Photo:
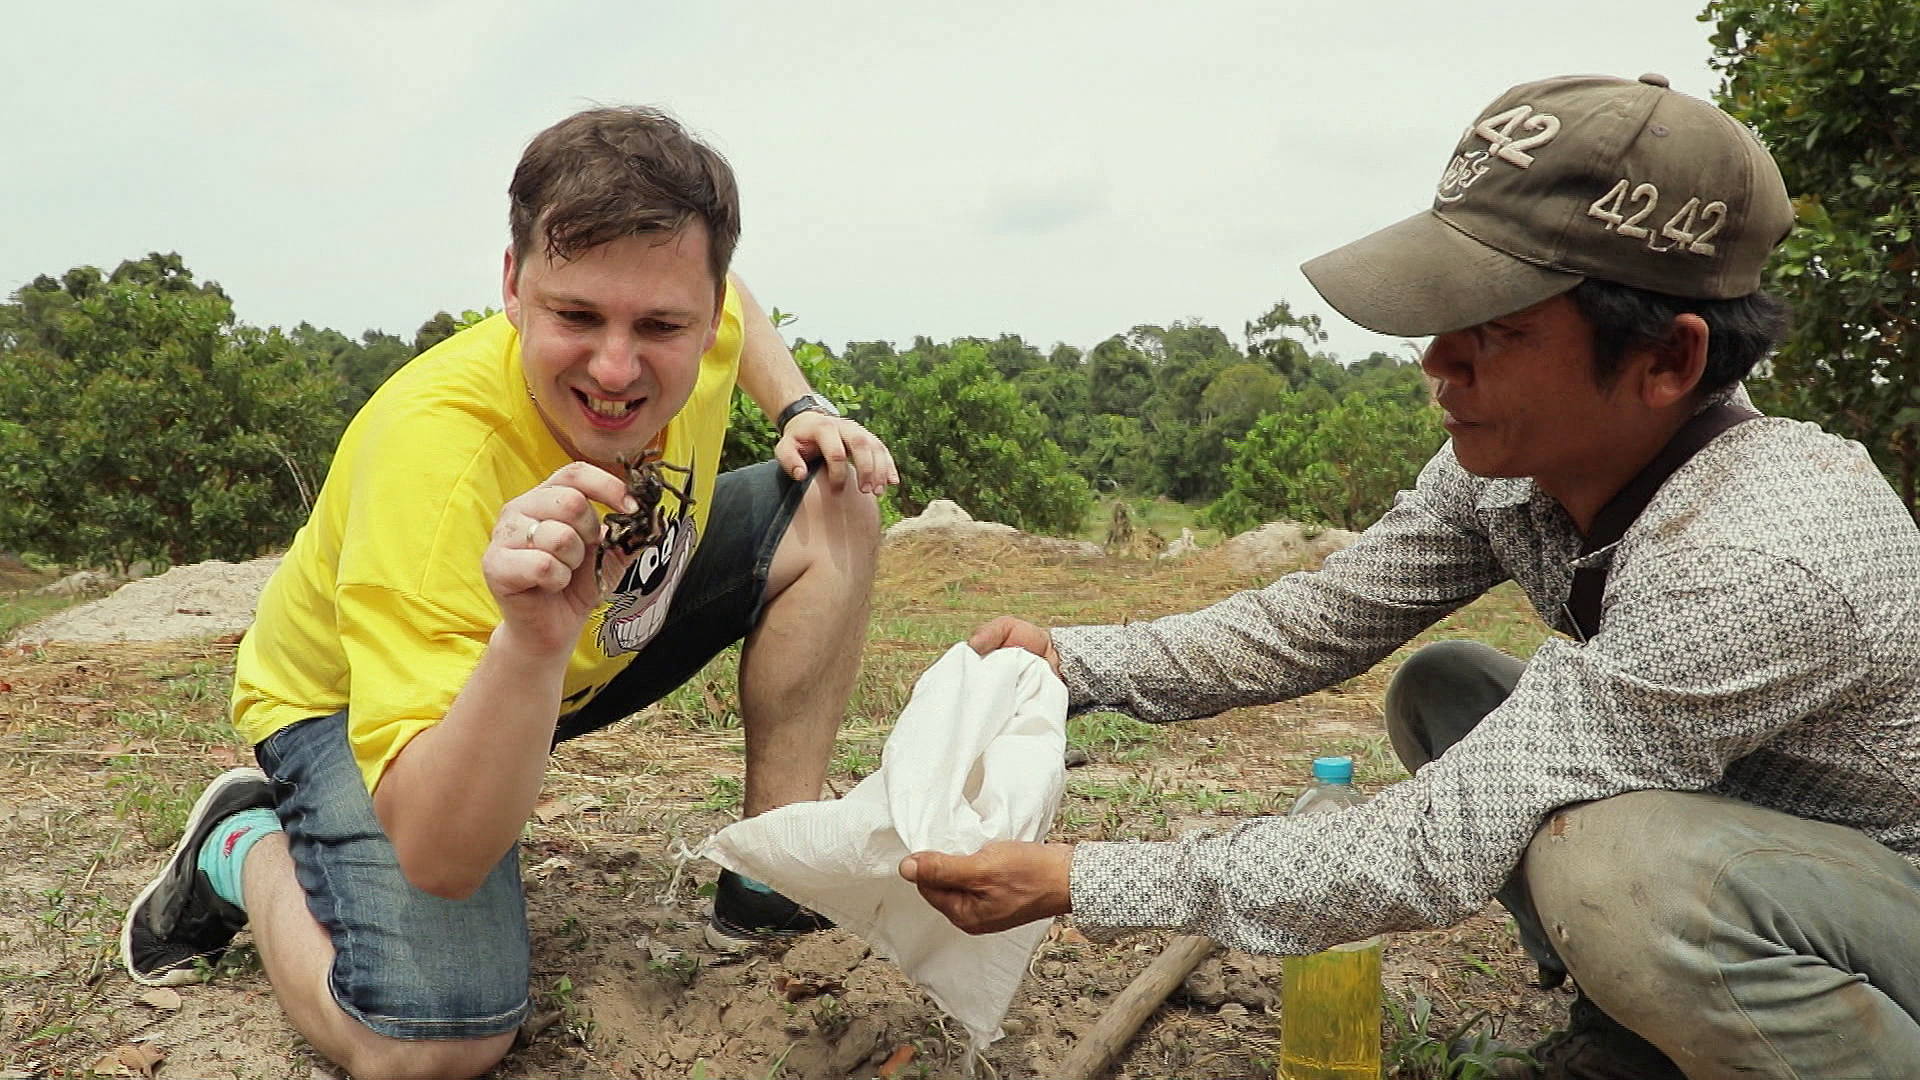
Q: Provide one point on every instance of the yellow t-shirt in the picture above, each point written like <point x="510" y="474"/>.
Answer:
<point x="380" y="608"/>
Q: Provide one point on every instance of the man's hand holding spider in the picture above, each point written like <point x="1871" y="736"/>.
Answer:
<point x="540" y="562"/>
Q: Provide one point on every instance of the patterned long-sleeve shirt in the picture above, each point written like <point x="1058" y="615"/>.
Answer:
<point x="1760" y="639"/>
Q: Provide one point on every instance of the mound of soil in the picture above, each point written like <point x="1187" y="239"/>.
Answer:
<point x="203" y="600"/>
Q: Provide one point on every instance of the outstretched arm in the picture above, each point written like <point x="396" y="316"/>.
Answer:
<point x="1005" y="884"/>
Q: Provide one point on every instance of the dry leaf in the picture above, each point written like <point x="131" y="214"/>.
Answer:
<point x="802" y="989"/>
<point x="142" y="1059"/>
<point x="5" y="687"/>
<point x="548" y="866"/>
<point x="113" y="749"/>
<point x="69" y="699"/>
<point x="714" y="708"/>
<point x="129" y="1060"/>
<point x="551" y="809"/>
<point x="161" y="998"/>
<point x="224" y="755"/>
<point x="1065" y="934"/>
<point x="896" y="1060"/>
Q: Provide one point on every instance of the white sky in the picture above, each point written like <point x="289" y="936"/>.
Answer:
<point x="1060" y="170"/>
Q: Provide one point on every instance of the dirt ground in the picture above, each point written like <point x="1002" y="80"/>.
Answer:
<point x="105" y="746"/>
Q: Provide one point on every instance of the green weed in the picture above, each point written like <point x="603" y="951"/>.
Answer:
<point x="1467" y="1052"/>
<point x="857" y="759"/>
<point x="155" y="806"/>
<point x="724" y="793"/>
<point x="1112" y="735"/>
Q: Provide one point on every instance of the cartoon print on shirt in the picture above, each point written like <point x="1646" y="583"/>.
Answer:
<point x="638" y="607"/>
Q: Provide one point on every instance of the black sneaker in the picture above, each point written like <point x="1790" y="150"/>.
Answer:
<point x="1594" y="1046"/>
<point x="746" y="912"/>
<point x="178" y="918"/>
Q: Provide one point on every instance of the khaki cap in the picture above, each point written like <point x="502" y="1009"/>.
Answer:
<point x="1565" y="179"/>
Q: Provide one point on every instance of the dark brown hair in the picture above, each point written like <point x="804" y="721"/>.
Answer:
<point x="609" y="173"/>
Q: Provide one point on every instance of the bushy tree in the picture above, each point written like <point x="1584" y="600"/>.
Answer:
<point x="958" y="431"/>
<point x="435" y="330"/>
<point x="1338" y="466"/>
<point x="1833" y="88"/>
<point x="139" y="421"/>
<point x="361" y="366"/>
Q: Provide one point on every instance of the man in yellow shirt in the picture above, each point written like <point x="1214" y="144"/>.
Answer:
<point x="452" y="608"/>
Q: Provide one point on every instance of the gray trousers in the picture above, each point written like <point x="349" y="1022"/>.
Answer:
<point x="1742" y="942"/>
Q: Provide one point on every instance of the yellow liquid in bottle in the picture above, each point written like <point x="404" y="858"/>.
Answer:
<point x="1330" y="1014"/>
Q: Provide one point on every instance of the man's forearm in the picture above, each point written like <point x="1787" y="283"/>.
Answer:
<point x="457" y="797"/>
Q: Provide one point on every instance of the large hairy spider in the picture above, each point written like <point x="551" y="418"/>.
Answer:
<point x="647" y="524"/>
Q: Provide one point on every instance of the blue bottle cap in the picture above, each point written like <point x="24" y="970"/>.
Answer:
<point x="1333" y="770"/>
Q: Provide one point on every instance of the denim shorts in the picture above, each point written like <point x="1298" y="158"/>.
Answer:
<point x="411" y="965"/>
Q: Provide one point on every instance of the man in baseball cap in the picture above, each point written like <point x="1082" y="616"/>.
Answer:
<point x="1697" y="802"/>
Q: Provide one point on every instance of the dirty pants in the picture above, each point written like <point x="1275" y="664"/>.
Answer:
<point x="1740" y="941"/>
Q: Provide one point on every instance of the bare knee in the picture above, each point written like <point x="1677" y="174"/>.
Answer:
<point x="379" y="1058"/>
<point x="835" y="531"/>
<point x="853" y="514"/>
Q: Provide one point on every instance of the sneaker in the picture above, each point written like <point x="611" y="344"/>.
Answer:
<point x="746" y="913"/>
<point x="178" y="919"/>
<point x="1594" y="1046"/>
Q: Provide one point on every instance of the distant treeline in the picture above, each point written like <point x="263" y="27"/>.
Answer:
<point x="140" y="420"/>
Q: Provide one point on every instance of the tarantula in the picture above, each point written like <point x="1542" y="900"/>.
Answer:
<point x="647" y="524"/>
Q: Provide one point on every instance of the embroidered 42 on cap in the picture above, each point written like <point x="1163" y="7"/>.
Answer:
<point x="1564" y="179"/>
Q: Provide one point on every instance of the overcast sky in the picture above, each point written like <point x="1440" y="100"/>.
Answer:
<point x="1060" y="170"/>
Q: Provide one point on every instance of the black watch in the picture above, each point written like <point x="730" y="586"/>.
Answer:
<point x="804" y="403"/>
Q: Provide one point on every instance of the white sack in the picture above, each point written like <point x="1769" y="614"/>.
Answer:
<point x="976" y="756"/>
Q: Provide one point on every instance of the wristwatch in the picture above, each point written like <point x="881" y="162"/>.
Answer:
<point x="804" y="403"/>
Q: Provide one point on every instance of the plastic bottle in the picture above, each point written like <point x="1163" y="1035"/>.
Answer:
<point x="1330" y="1001"/>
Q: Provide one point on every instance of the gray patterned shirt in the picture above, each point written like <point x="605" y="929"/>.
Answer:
<point x="1761" y="640"/>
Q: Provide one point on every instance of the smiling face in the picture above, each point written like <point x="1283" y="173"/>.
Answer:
<point x="611" y="341"/>
<point x="1521" y="400"/>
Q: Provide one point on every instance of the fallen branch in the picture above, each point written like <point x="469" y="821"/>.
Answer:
<point x="1098" y="1048"/>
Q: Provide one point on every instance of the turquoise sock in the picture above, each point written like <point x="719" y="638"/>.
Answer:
<point x="225" y="850"/>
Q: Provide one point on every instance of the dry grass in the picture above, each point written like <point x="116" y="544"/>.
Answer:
<point x="104" y="748"/>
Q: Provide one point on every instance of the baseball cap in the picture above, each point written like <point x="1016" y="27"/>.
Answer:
<point x="1580" y="176"/>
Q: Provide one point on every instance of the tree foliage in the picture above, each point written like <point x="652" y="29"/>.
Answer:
<point x="1833" y="89"/>
<point x="1337" y="466"/>
<point x="750" y="434"/>
<point x="958" y="431"/>
<point x="360" y="366"/>
<point x="139" y="421"/>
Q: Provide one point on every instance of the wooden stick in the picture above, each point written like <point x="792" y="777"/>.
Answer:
<point x="1098" y="1048"/>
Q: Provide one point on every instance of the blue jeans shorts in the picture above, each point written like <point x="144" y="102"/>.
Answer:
<point x="411" y="965"/>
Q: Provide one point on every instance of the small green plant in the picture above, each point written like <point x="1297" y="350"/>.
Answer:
<point x="1468" y="1052"/>
<point x="157" y="809"/>
<point x="857" y="760"/>
<point x="235" y="961"/>
<point x="724" y="793"/>
<point x="830" y="1016"/>
<point x="575" y="932"/>
<point x="575" y="1018"/>
<point x="674" y="966"/>
<point x="1111" y="734"/>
